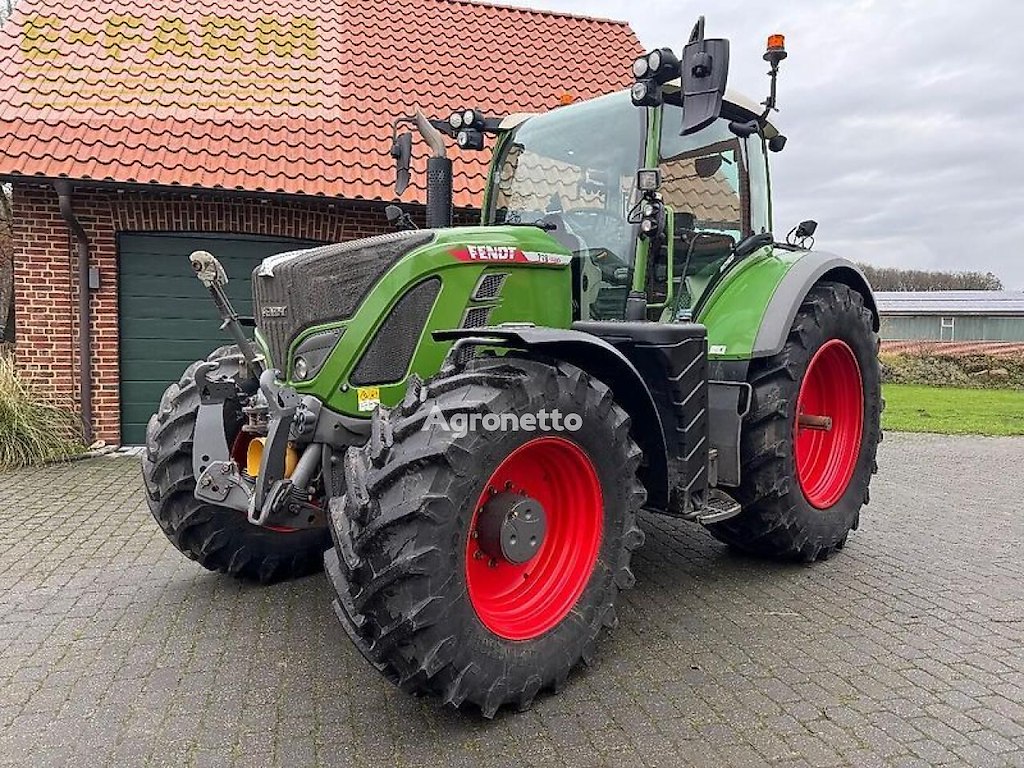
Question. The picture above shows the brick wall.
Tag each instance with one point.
(45, 269)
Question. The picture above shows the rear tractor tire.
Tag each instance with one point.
(809, 441)
(218, 538)
(479, 566)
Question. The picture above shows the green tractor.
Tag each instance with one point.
(463, 423)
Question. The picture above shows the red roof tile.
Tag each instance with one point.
(293, 96)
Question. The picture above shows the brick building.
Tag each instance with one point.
(241, 127)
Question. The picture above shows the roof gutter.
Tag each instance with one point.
(207, 192)
(63, 189)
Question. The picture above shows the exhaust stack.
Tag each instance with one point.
(439, 174)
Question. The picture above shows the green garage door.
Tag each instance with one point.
(167, 319)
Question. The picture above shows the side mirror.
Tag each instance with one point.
(705, 72)
(806, 228)
(802, 235)
(398, 218)
(393, 214)
(401, 150)
(707, 166)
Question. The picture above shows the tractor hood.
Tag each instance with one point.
(297, 289)
(355, 288)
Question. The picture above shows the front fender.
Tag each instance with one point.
(750, 312)
(607, 364)
(814, 267)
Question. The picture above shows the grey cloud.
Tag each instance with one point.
(904, 118)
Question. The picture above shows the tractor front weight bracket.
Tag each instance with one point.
(272, 498)
(218, 480)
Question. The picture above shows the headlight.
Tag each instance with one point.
(640, 68)
(469, 117)
(455, 121)
(300, 369)
(654, 60)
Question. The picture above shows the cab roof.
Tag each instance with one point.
(740, 102)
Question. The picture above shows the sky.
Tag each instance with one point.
(905, 119)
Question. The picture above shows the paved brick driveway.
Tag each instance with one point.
(906, 649)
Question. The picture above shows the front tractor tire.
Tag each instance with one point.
(218, 538)
(809, 440)
(479, 566)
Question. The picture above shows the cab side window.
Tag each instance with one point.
(704, 177)
(705, 181)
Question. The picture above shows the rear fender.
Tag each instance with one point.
(607, 364)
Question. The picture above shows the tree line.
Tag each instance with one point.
(896, 279)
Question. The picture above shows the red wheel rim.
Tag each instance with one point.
(827, 453)
(520, 602)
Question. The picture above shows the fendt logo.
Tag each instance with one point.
(508, 253)
(274, 311)
(491, 253)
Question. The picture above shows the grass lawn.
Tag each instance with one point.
(953, 411)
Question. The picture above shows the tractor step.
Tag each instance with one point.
(719, 507)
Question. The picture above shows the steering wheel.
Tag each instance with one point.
(563, 231)
(594, 220)
(601, 225)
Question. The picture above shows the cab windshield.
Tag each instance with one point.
(573, 170)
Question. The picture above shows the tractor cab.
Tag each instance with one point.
(573, 171)
(656, 192)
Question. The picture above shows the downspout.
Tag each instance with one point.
(63, 189)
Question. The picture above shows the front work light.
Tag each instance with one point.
(648, 179)
(645, 93)
(660, 65)
(466, 118)
(470, 138)
(652, 71)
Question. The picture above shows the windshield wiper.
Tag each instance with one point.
(547, 226)
(512, 219)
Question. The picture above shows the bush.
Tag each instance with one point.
(33, 430)
(972, 371)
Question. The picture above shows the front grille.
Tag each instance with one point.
(295, 290)
(387, 358)
(268, 296)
